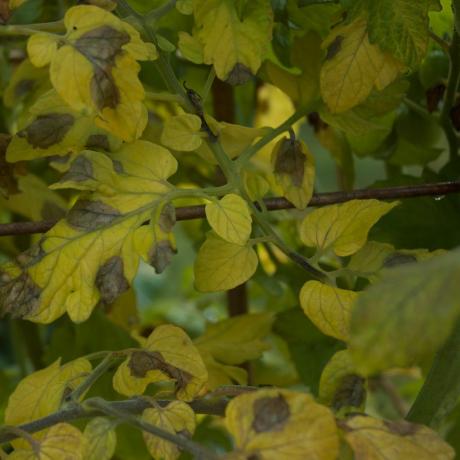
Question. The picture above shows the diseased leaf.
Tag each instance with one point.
(380, 439)
(101, 439)
(95, 68)
(94, 252)
(221, 265)
(281, 424)
(353, 67)
(42, 392)
(340, 386)
(342, 227)
(401, 28)
(294, 169)
(60, 441)
(388, 318)
(230, 218)
(182, 132)
(329, 308)
(176, 418)
(167, 355)
(234, 43)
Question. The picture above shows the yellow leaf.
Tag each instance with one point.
(52, 128)
(353, 66)
(190, 47)
(329, 308)
(101, 439)
(93, 254)
(230, 218)
(374, 439)
(95, 68)
(176, 418)
(294, 168)
(62, 441)
(255, 184)
(340, 386)
(282, 425)
(234, 44)
(221, 265)
(342, 227)
(168, 355)
(42, 392)
(182, 132)
(238, 339)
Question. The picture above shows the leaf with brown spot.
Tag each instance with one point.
(278, 424)
(375, 439)
(8, 182)
(110, 280)
(167, 355)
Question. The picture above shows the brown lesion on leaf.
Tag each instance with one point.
(161, 254)
(18, 296)
(239, 75)
(8, 182)
(291, 160)
(334, 47)
(167, 218)
(110, 280)
(90, 215)
(270, 414)
(47, 130)
(142, 361)
(398, 258)
(98, 142)
(401, 427)
(101, 47)
(351, 392)
(80, 170)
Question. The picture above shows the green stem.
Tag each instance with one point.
(30, 29)
(441, 390)
(208, 84)
(285, 126)
(450, 95)
(181, 441)
(159, 12)
(163, 97)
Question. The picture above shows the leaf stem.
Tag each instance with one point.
(208, 84)
(442, 43)
(30, 29)
(162, 10)
(181, 441)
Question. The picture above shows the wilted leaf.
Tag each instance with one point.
(282, 425)
(93, 253)
(167, 355)
(230, 218)
(389, 318)
(176, 418)
(353, 67)
(235, 44)
(60, 441)
(101, 439)
(221, 265)
(182, 132)
(342, 227)
(329, 308)
(374, 439)
(294, 169)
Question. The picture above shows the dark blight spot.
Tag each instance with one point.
(351, 392)
(239, 75)
(23, 87)
(118, 167)
(291, 160)
(47, 130)
(398, 258)
(111, 281)
(167, 218)
(334, 47)
(401, 427)
(143, 361)
(104, 91)
(90, 215)
(270, 414)
(160, 255)
(98, 142)
(80, 170)
(19, 296)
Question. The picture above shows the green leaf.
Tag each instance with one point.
(221, 265)
(235, 44)
(401, 28)
(329, 308)
(342, 227)
(182, 132)
(389, 317)
(230, 218)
